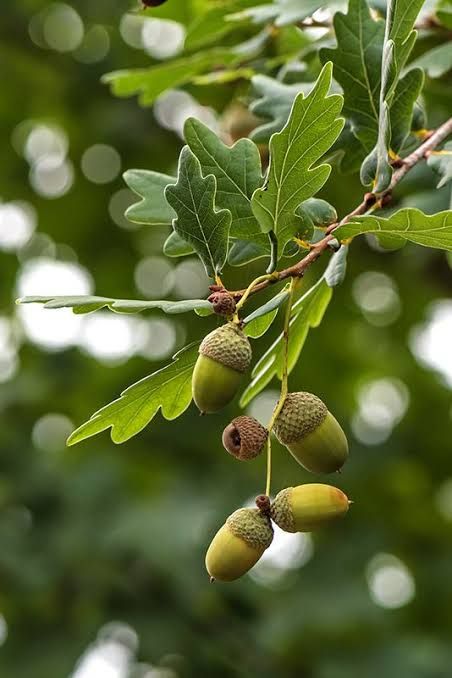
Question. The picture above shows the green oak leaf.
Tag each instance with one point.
(237, 170)
(89, 304)
(312, 128)
(407, 224)
(437, 61)
(197, 222)
(444, 13)
(168, 390)
(270, 308)
(274, 102)
(258, 327)
(149, 83)
(441, 162)
(153, 209)
(280, 12)
(244, 252)
(175, 246)
(379, 110)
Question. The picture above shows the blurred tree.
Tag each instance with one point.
(103, 546)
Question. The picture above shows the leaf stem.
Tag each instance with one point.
(257, 281)
(284, 383)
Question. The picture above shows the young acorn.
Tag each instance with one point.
(244, 438)
(238, 544)
(307, 507)
(311, 433)
(224, 355)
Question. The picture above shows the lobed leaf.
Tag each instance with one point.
(89, 304)
(237, 170)
(405, 225)
(153, 208)
(197, 222)
(168, 390)
(310, 131)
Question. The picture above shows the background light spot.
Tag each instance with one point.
(101, 163)
(17, 223)
(391, 584)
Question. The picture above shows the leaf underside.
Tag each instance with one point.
(88, 304)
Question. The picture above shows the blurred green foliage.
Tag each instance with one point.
(99, 533)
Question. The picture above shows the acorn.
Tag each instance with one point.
(244, 438)
(222, 303)
(307, 507)
(311, 433)
(224, 355)
(238, 544)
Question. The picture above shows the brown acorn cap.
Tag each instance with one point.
(223, 303)
(229, 346)
(244, 437)
(251, 526)
(300, 415)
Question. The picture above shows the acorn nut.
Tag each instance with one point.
(311, 433)
(224, 355)
(307, 507)
(244, 438)
(238, 544)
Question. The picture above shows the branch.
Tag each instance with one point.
(370, 201)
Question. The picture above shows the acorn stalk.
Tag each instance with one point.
(224, 355)
(311, 433)
(307, 507)
(238, 544)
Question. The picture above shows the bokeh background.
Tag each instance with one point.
(102, 547)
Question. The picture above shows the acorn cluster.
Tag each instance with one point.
(304, 426)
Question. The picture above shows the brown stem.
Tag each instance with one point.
(369, 202)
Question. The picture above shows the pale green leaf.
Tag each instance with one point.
(437, 61)
(405, 225)
(168, 390)
(307, 313)
(280, 12)
(237, 170)
(441, 162)
(274, 102)
(153, 209)
(149, 83)
(267, 311)
(258, 327)
(175, 246)
(197, 222)
(444, 13)
(88, 304)
(293, 177)
(337, 267)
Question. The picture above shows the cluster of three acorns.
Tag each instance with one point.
(304, 426)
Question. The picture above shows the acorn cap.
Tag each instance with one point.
(307, 507)
(252, 526)
(229, 346)
(222, 303)
(301, 414)
(238, 544)
(244, 437)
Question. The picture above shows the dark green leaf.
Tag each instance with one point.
(197, 222)
(237, 170)
(153, 209)
(169, 390)
(175, 246)
(405, 225)
(312, 128)
(243, 252)
(275, 102)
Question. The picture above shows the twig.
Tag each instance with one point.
(369, 203)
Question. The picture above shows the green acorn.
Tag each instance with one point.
(238, 544)
(224, 355)
(244, 437)
(307, 507)
(311, 433)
